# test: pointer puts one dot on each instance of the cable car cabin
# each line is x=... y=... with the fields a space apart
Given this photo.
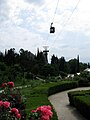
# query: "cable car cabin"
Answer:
x=52 y=29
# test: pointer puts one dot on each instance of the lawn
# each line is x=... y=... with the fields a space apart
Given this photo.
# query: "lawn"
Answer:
x=34 y=99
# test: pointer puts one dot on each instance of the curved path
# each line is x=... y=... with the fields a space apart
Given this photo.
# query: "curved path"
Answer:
x=61 y=104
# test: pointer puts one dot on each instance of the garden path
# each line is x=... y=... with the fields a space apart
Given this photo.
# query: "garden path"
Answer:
x=64 y=111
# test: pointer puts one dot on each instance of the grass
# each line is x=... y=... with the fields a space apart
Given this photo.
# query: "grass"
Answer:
x=37 y=95
x=36 y=99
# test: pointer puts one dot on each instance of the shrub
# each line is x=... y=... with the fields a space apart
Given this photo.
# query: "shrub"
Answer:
x=81 y=100
x=82 y=103
x=62 y=86
x=41 y=113
x=13 y=95
x=8 y=113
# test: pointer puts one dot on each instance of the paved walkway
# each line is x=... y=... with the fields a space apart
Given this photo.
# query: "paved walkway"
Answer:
x=64 y=110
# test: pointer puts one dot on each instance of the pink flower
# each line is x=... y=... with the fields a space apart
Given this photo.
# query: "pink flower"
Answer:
x=45 y=117
x=49 y=107
x=46 y=112
x=33 y=111
x=11 y=84
x=4 y=85
x=18 y=115
x=1 y=103
x=6 y=104
x=15 y=110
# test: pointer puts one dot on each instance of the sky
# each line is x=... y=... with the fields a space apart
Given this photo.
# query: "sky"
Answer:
x=26 y=24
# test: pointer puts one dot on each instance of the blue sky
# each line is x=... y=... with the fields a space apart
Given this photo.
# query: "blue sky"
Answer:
x=25 y=24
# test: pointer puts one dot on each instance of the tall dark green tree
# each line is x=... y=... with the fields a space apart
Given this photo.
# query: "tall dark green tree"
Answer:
x=1 y=57
x=72 y=66
x=40 y=58
x=10 y=57
x=54 y=60
x=26 y=60
x=78 y=67
x=62 y=63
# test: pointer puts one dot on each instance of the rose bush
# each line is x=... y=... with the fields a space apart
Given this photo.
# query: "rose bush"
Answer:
x=13 y=95
x=12 y=106
x=6 y=112
x=41 y=113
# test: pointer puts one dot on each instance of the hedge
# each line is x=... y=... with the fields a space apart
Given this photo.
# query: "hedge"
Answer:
x=82 y=103
x=81 y=100
x=62 y=87
x=55 y=87
x=72 y=94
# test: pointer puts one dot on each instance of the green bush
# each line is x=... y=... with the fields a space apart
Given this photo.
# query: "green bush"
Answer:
x=61 y=86
x=81 y=100
x=82 y=103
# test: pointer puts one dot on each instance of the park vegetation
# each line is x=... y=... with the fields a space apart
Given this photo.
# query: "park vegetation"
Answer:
x=23 y=66
x=40 y=77
x=81 y=100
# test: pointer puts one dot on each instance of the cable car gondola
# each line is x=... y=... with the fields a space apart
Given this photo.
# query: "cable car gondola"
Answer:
x=52 y=29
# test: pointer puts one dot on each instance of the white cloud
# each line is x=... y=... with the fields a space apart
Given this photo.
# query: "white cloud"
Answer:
x=37 y=2
x=25 y=23
x=17 y=37
x=4 y=9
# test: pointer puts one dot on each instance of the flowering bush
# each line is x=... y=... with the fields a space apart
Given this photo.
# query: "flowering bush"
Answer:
x=13 y=95
x=41 y=113
x=6 y=112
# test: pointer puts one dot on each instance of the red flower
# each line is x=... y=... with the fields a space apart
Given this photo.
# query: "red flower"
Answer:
x=45 y=117
x=4 y=85
x=1 y=103
x=46 y=112
x=11 y=84
x=33 y=111
x=18 y=115
x=15 y=110
x=6 y=104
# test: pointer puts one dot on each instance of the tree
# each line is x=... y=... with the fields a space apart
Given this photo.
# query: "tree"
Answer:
x=26 y=59
x=1 y=57
x=73 y=66
x=62 y=64
x=48 y=70
x=78 y=67
x=40 y=58
x=10 y=57
x=54 y=60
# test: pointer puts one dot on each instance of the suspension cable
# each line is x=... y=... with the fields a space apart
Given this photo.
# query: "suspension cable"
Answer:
x=65 y=23
x=55 y=11
x=52 y=20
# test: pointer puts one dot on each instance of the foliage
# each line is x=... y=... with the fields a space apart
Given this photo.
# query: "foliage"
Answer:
x=13 y=65
x=41 y=113
x=62 y=86
x=8 y=113
x=14 y=96
x=48 y=70
x=81 y=100
x=83 y=79
x=72 y=94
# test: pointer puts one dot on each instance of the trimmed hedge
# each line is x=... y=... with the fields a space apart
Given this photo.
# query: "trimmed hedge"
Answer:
x=55 y=87
x=81 y=100
x=72 y=94
x=62 y=87
x=82 y=103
